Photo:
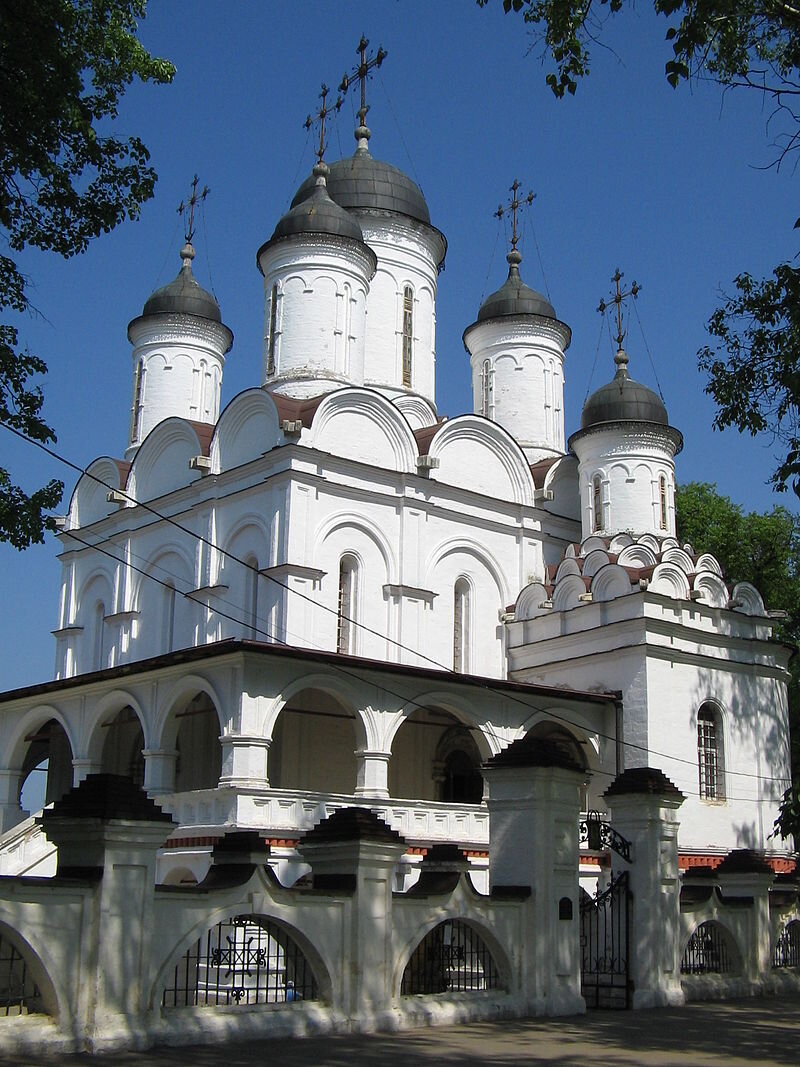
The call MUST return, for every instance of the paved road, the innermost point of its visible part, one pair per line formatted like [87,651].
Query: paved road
[742,1033]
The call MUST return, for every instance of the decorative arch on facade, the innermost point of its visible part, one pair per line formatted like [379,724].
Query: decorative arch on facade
[248,427]
[593,561]
[89,502]
[636,555]
[711,949]
[567,594]
[670,580]
[95,600]
[190,722]
[477,551]
[47,772]
[610,582]
[747,599]
[562,481]
[531,602]
[707,562]
[568,565]
[416,410]
[363,425]
[455,955]
[712,588]
[245,603]
[162,463]
[480,456]
[243,958]
[166,618]
[680,558]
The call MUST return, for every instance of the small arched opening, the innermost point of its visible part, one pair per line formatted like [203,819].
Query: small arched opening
[451,958]
[123,746]
[199,761]
[436,757]
[47,767]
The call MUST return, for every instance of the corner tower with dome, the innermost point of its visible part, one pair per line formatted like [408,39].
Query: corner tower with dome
[323,594]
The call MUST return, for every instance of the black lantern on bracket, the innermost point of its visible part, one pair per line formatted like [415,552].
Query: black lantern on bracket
[594,831]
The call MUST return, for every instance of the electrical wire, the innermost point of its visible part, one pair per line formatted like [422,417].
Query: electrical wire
[529,705]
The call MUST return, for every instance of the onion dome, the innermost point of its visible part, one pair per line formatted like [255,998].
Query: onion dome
[184,295]
[623,400]
[317,213]
[361,182]
[514,297]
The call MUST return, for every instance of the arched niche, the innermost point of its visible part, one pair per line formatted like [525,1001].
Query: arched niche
[314,741]
[436,757]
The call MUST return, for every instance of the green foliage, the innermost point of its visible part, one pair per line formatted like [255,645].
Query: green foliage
[754,368]
[64,66]
[763,549]
[753,42]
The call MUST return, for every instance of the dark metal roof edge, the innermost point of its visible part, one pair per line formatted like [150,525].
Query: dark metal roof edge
[238,645]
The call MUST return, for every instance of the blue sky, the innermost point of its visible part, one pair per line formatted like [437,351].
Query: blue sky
[674,187]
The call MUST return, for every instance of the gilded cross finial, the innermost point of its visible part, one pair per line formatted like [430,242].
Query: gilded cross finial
[513,206]
[320,117]
[189,205]
[617,298]
[360,73]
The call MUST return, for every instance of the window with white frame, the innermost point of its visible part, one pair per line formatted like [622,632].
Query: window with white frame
[710,753]
[138,394]
[662,501]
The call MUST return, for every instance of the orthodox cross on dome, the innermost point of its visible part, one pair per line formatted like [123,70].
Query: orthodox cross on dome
[320,117]
[361,73]
[617,298]
[513,206]
[189,206]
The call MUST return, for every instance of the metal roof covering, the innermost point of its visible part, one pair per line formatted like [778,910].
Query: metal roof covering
[623,400]
[514,297]
[316,212]
[360,181]
[184,295]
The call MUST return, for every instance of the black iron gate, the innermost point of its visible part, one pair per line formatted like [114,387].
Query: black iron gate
[605,946]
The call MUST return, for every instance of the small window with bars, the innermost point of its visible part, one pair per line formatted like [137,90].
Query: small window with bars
[452,958]
[19,994]
[408,334]
[138,395]
[345,616]
[787,946]
[246,959]
[662,500]
[272,332]
[487,388]
[710,754]
[707,951]
[597,503]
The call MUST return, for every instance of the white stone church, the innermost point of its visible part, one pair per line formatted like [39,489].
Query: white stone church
[326,596]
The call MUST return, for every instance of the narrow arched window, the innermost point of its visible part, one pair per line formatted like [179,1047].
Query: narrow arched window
[461,626]
[408,333]
[662,499]
[251,627]
[138,393]
[169,617]
[487,389]
[710,753]
[345,625]
[597,503]
[98,653]
[273,330]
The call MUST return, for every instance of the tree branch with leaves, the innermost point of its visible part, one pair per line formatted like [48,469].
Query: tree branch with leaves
[64,67]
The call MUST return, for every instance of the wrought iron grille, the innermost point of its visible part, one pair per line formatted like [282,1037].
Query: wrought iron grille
[453,957]
[706,951]
[244,960]
[19,994]
[787,947]
[605,946]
